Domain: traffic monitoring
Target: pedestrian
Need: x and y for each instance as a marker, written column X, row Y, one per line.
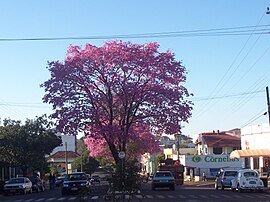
column 52, row 181
column 204, row 176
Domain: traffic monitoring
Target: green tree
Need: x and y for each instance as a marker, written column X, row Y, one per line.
column 25, row 145
column 84, row 162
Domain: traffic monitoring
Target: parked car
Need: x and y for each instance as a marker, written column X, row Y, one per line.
column 163, row 179
column 224, row 177
column 18, row 185
column 247, row 180
column 37, row 184
column 59, row 181
column 74, row 183
column 95, row 179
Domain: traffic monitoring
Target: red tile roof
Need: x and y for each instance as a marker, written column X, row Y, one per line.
column 61, row 155
column 221, row 140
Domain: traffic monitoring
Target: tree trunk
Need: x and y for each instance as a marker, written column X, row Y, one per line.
column 24, row 171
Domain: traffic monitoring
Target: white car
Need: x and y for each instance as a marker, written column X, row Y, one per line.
column 247, row 180
column 18, row 185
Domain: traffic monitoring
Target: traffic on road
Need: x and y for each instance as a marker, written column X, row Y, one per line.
column 189, row 191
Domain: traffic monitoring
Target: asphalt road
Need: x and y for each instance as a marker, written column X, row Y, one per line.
column 190, row 192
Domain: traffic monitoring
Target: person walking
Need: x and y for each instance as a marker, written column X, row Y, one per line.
column 204, row 176
column 52, row 181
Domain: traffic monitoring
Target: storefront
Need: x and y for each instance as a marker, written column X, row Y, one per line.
column 255, row 141
column 195, row 165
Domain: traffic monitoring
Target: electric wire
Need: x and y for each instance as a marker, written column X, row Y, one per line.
column 216, row 90
column 254, row 118
column 230, row 31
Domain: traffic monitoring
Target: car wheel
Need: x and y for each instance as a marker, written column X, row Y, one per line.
column 24, row 192
column 153, row 188
column 172, row 188
column 216, row 186
column 222, row 186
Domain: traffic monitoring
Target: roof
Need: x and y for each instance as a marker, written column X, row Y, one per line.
column 220, row 140
column 62, row 155
column 250, row 153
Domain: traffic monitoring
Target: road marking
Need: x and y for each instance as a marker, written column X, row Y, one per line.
column 61, row 199
column 248, row 196
column 214, row 196
column 237, row 196
column 170, row 196
column 203, row 196
column 72, row 198
column 50, row 199
column 160, row 196
column 225, row 196
column 139, row 196
column 193, row 196
column 18, row 200
column 149, row 196
column 181, row 196
column 40, row 199
column 31, row 199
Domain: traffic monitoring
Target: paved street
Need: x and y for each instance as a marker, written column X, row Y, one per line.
column 190, row 192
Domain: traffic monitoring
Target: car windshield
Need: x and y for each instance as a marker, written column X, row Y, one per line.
column 230, row 173
column 165, row 174
column 75, row 176
column 16, row 180
column 251, row 174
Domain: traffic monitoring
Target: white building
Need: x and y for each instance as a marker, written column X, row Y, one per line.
column 68, row 143
column 255, row 142
column 213, row 153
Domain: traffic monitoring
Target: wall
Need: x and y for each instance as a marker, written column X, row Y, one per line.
column 71, row 143
column 255, row 137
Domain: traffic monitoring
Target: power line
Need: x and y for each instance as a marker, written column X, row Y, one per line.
column 29, row 105
column 230, row 31
column 254, row 118
column 215, row 92
column 226, row 96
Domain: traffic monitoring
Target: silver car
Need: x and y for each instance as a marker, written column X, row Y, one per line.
column 224, row 177
column 163, row 179
column 18, row 185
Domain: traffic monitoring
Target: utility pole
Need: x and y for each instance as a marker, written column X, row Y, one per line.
column 66, row 157
column 268, row 103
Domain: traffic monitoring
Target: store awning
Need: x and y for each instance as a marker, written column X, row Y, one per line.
column 250, row 153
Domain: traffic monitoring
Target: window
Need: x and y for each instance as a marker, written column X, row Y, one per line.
column 217, row 150
column 236, row 148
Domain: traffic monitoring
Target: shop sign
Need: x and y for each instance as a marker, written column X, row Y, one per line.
column 214, row 159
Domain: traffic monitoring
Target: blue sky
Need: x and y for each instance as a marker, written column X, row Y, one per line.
column 227, row 74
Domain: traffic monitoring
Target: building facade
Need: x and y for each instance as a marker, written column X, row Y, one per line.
column 255, row 142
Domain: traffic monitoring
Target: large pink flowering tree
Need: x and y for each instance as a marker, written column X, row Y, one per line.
column 117, row 94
